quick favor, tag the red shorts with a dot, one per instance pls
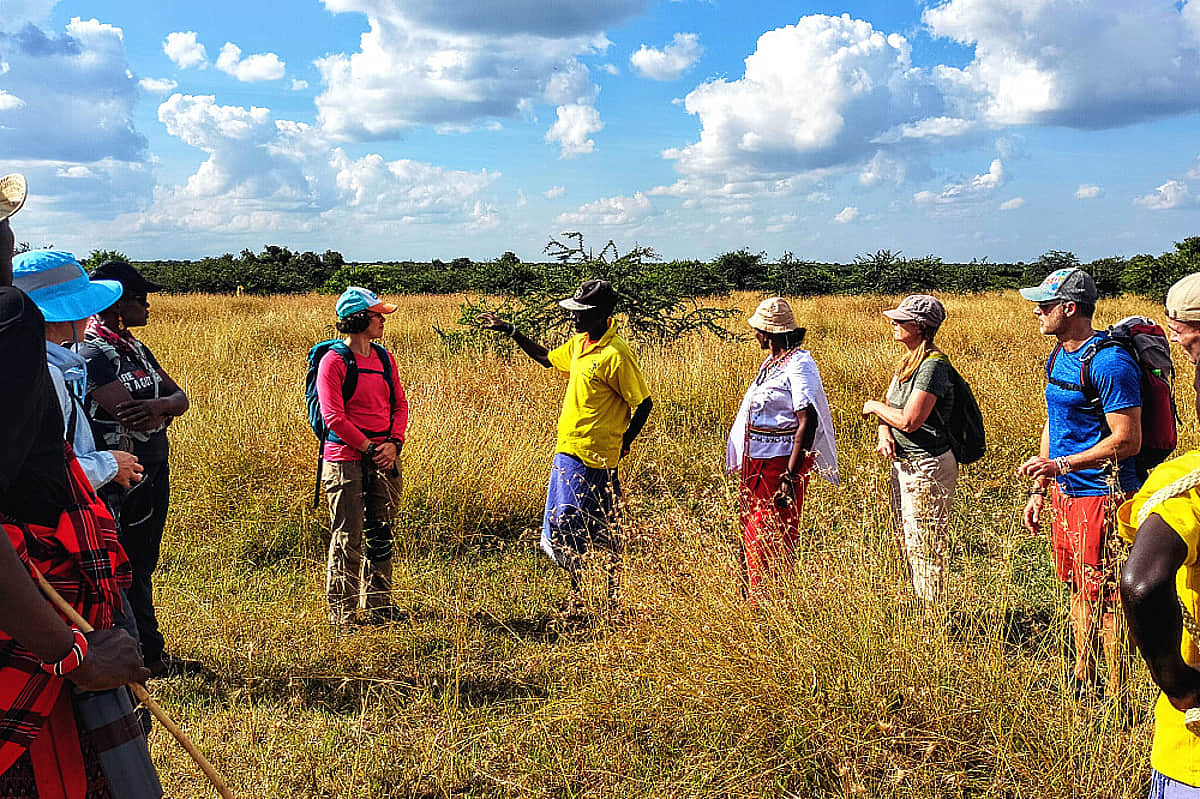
(1079, 537)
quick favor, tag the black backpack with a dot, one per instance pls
(965, 425)
(315, 419)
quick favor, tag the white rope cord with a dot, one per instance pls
(1191, 717)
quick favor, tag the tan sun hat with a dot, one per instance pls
(12, 194)
(1183, 300)
(773, 315)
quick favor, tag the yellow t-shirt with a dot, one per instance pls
(1176, 751)
(604, 388)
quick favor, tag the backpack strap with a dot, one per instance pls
(386, 361)
(350, 381)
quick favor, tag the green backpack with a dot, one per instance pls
(965, 425)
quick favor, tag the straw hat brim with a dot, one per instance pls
(13, 191)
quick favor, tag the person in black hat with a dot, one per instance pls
(131, 399)
(606, 405)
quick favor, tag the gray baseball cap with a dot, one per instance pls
(1071, 284)
(923, 308)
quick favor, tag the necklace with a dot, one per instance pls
(774, 365)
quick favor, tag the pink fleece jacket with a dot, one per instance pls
(367, 411)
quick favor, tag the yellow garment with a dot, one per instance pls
(604, 388)
(1176, 750)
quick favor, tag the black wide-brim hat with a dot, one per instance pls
(591, 294)
(126, 275)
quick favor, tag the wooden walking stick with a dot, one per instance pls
(139, 691)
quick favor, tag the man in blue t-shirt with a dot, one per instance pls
(1093, 431)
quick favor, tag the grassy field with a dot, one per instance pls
(837, 688)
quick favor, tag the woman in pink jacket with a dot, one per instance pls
(366, 411)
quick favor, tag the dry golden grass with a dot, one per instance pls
(835, 689)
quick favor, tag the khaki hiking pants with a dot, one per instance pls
(922, 497)
(351, 580)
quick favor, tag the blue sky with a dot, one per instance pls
(392, 129)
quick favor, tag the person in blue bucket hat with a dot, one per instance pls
(131, 400)
(57, 284)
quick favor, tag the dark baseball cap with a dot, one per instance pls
(126, 275)
(591, 294)
(1071, 284)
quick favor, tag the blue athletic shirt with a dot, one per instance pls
(1075, 427)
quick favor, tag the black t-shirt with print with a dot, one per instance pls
(138, 372)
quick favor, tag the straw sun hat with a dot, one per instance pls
(12, 195)
(773, 315)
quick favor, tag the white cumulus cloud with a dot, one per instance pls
(1013, 204)
(1088, 191)
(264, 173)
(670, 62)
(554, 192)
(824, 93)
(461, 65)
(69, 97)
(299, 85)
(157, 85)
(609, 211)
(252, 68)
(1053, 62)
(10, 102)
(967, 191)
(184, 50)
(847, 214)
(575, 124)
(1172, 194)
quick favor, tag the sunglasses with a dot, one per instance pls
(1048, 305)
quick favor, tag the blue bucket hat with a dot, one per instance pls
(356, 299)
(60, 288)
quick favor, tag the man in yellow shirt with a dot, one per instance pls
(1160, 584)
(605, 406)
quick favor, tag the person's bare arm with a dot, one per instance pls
(907, 419)
(489, 321)
(1152, 609)
(640, 414)
(1123, 441)
(148, 414)
(112, 657)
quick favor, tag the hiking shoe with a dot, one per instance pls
(381, 617)
(172, 666)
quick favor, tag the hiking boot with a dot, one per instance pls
(381, 617)
(172, 666)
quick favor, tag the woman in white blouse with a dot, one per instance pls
(783, 431)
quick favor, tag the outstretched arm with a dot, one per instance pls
(489, 321)
(640, 414)
(1152, 608)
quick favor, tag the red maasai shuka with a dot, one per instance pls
(83, 561)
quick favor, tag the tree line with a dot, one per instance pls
(279, 270)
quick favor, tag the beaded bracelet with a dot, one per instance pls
(72, 659)
(1064, 465)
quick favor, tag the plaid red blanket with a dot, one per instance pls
(84, 562)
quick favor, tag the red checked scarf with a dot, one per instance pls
(84, 562)
(120, 339)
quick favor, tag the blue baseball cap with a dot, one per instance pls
(1071, 284)
(60, 288)
(356, 299)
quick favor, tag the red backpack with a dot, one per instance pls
(1147, 344)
